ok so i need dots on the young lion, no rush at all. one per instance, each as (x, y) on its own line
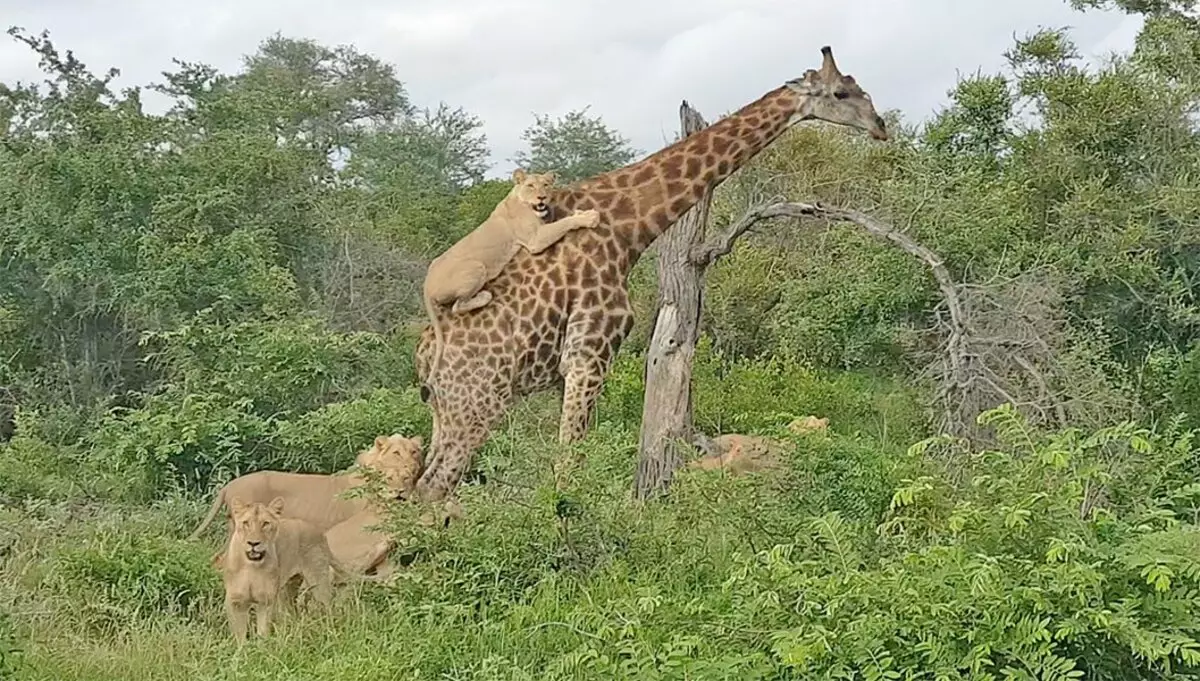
(457, 276)
(318, 498)
(266, 552)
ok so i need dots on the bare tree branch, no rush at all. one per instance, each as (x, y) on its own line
(723, 244)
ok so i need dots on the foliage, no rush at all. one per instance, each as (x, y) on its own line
(574, 146)
(854, 559)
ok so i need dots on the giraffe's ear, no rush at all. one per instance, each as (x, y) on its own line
(518, 176)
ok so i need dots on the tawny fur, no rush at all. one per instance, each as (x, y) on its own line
(265, 555)
(319, 499)
(737, 454)
(360, 547)
(457, 276)
(363, 549)
(808, 424)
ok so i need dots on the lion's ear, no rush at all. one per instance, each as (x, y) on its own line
(276, 506)
(381, 441)
(518, 175)
(551, 177)
(417, 441)
(236, 505)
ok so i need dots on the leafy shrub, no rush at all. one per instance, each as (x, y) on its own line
(32, 468)
(1010, 575)
(177, 438)
(276, 366)
(326, 439)
(754, 396)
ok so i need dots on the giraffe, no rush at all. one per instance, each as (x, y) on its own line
(558, 318)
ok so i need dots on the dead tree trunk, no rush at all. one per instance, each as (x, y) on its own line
(667, 406)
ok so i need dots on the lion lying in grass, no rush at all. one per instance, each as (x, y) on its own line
(749, 453)
(318, 499)
(265, 556)
(737, 453)
(361, 549)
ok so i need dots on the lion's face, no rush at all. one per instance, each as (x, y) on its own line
(533, 189)
(255, 527)
(399, 459)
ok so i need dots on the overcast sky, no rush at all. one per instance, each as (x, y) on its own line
(631, 60)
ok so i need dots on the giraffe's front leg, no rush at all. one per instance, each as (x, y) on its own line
(588, 352)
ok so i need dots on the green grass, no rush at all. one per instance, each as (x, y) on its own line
(858, 560)
(107, 591)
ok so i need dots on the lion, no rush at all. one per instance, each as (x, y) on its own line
(808, 424)
(267, 554)
(737, 453)
(363, 549)
(457, 276)
(317, 498)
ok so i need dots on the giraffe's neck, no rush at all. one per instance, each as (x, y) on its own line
(666, 184)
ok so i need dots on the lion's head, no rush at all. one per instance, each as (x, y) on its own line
(533, 189)
(398, 459)
(255, 527)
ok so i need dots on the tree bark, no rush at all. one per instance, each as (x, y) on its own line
(667, 405)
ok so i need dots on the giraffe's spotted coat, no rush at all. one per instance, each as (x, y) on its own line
(557, 319)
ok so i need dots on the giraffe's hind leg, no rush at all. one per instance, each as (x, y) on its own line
(581, 389)
(464, 423)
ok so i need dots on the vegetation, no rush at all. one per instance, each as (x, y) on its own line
(232, 285)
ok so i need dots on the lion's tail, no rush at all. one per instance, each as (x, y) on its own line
(218, 499)
(431, 310)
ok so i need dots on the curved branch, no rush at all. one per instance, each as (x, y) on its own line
(723, 244)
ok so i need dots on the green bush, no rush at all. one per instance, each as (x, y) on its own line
(757, 396)
(275, 366)
(32, 468)
(327, 439)
(181, 439)
(1011, 575)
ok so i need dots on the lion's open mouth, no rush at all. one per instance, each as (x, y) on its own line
(255, 555)
(541, 209)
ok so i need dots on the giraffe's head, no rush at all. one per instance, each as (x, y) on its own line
(533, 189)
(828, 95)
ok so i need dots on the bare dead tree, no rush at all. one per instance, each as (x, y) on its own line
(667, 406)
(365, 283)
(1017, 351)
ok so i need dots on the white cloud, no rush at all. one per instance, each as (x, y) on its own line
(630, 60)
